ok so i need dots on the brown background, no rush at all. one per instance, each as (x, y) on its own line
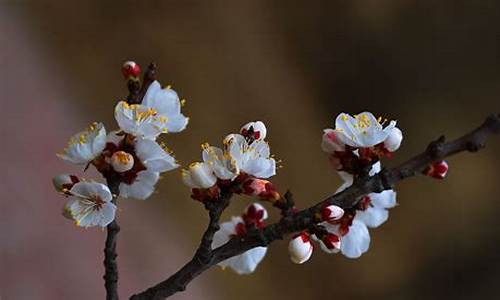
(432, 65)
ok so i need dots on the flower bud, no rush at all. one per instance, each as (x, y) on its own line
(330, 142)
(331, 213)
(131, 69)
(393, 141)
(255, 213)
(437, 170)
(261, 188)
(122, 161)
(255, 130)
(300, 248)
(330, 243)
(199, 175)
(64, 182)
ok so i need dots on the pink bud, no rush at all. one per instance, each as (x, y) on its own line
(300, 248)
(331, 213)
(255, 214)
(437, 170)
(131, 69)
(261, 188)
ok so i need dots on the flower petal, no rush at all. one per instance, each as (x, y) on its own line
(142, 187)
(356, 241)
(153, 156)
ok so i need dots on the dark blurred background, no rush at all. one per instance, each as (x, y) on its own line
(432, 65)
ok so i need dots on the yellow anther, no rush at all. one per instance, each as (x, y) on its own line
(183, 102)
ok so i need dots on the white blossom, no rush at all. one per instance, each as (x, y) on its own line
(139, 182)
(160, 112)
(362, 130)
(90, 204)
(122, 161)
(86, 145)
(239, 156)
(244, 263)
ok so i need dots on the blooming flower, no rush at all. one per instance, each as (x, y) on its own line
(160, 112)
(300, 248)
(138, 162)
(90, 204)
(362, 130)
(355, 242)
(246, 262)
(239, 157)
(86, 145)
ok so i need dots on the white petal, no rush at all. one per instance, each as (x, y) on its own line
(142, 187)
(153, 156)
(165, 101)
(114, 138)
(90, 190)
(394, 139)
(199, 175)
(139, 120)
(246, 262)
(215, 158)
(86, 145)
(330, 142)
(386, 199)
(176, 123)
(356, 241)
(372, 216)
(260, 167)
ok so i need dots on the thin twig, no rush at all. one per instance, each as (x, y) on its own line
(110, 266)
(301, 220)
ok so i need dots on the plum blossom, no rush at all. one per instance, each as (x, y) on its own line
(137, 162)
(361, 131)
(248, 261)
(159, 112)
(86, 145)
(90, 205)
(240, 156)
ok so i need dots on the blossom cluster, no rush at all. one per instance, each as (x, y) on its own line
(129, 157)
(131, 160)
(241, 166)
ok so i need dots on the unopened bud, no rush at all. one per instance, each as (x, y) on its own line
(261, 188)
(437, 170)
(332, 213)
(330, 142)
(300, 248)
(131, 69)
(122, 161)
(254, 130)
(393, 141)
(64, 182)
(255, 213)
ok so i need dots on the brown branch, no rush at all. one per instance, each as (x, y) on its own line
(304, 219)
(201, 260)
(110, 266)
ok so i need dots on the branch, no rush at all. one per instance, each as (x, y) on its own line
(202, 259)
(436, 151)
(110, 266)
